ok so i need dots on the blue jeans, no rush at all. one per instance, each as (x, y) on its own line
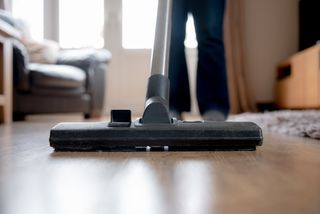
(212, 91)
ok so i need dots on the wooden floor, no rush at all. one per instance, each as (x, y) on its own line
(282, 176)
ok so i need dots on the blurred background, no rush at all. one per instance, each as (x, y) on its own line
(259, 35)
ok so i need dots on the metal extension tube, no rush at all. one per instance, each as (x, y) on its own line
(157, 99)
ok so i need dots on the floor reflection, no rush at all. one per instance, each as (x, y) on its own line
(194, 188)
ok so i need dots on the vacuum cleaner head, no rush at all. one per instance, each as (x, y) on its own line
(178, 136)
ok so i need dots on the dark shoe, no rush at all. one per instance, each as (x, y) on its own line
(214, 115)
(176, 114)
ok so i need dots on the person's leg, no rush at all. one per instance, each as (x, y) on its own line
(178, 74)
(212, 91)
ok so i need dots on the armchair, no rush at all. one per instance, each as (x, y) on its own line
(74, 83)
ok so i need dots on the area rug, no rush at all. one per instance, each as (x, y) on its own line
(304, 123)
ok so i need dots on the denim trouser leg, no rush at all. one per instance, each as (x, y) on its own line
(178, 74)
(212, 91)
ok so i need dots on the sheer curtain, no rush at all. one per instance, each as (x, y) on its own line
(241, 99)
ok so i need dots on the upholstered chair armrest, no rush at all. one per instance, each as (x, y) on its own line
(7, 30)
(20, 66)
(8, 26)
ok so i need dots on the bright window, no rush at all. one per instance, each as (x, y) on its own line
(81, 23)
(138, 25)
(31, 13)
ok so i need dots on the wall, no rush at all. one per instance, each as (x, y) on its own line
(271, 35)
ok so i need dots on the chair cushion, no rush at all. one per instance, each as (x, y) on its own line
(56, 76)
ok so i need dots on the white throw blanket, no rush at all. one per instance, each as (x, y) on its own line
(45, 51)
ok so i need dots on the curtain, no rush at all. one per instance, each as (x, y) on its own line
(4, 4)
(241, 100)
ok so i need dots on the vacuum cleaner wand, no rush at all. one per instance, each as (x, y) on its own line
(157, 99)
(161, 47)
(155, 130)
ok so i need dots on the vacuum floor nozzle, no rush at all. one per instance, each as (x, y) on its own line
(178, 136)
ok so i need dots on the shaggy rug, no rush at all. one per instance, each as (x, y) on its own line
(304, 123)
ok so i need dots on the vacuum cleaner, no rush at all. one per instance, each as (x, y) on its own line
(155, 130)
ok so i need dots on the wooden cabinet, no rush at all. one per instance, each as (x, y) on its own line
(5, 80)
(6, 34)
(298, 80)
